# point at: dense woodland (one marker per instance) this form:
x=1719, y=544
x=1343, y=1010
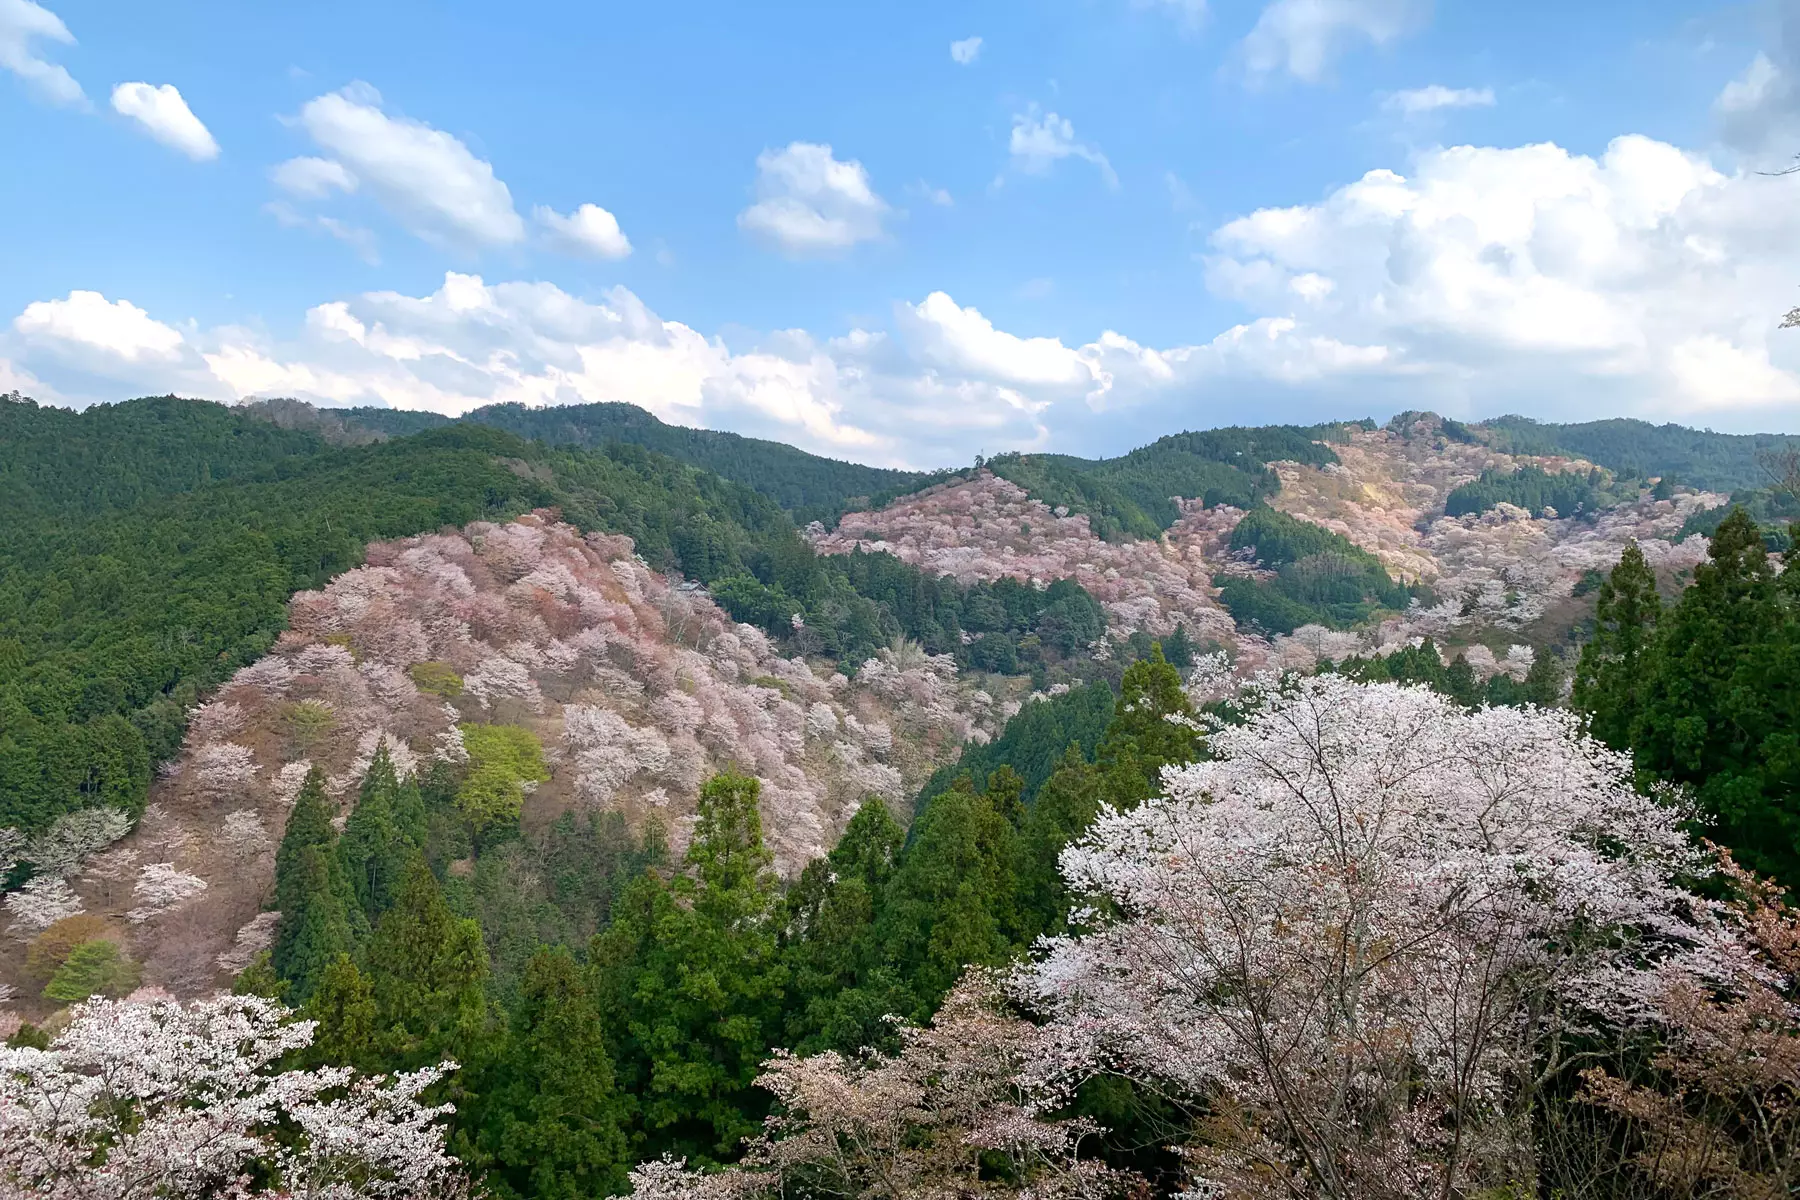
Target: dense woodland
x=1497, y=958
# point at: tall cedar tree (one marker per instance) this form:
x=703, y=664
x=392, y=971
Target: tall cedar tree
x=690, y=970
x=344, y=1006
x=953, y=899
x=320, y=918
x=1719, y=711
x=1610, y=678
x=427, y=975
x=839, y=982
x=385, y=830
x=1142, y=738
x=548, y=1120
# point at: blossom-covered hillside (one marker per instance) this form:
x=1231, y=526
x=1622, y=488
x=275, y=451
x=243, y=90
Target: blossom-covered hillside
x=636, y=685
x=1496, y=575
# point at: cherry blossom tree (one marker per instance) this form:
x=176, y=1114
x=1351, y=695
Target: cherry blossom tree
x=42, y=902
x=165, y=1100
x=915, y=1124
x=1363, y=935
x=75, y=837
x=160, y=886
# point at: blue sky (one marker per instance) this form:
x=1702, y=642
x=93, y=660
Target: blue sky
x=855, y=228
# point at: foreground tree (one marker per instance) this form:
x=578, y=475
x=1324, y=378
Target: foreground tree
x=1363, y=937
x=174, y=1101
x=1718, y=1113
x=962, y=1110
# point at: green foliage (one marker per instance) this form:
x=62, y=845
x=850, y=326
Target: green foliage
x=1065, y=482
x=1321, y=577
x=428, y=976
x=502, y=759
x=690, y=971
x=807, y=486
x=1714, y=461
x=384, y=832
x=1717, y=710
x=1216, y=466
x=549, y=1121
x=1133, y=495
x=344, y=1006
x=1152, y=728
x=1771, y=508
x=1530, y=488
x=96, y=968
x=320, y=916
x=436, y=679
x=1033, y=742
x=839, y=982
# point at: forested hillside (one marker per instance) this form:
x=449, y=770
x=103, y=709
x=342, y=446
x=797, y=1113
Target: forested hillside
x=807, y=486
x=628, y=838
x=1721, y=462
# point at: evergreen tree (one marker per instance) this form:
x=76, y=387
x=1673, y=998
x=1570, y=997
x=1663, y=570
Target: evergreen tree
x=1460, y=682
x=838, y=978
x=690, y=967
x=549, y=1120
x=953, y=898
x=1720, y=709
x=427, y=975
x=1610, y=677
x=377, y=845
x=313, y=931
x=95, y=968
x=344, y=1006
x=1543, y=682
x=1066, y=805
x=1142, y=740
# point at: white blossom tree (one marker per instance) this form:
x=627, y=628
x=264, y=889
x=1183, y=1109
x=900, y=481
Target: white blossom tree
x=75, y=837
x=161, y=886
x=42, y=902
x=176, y=1101
x=1360, y=936
x=916, y=1124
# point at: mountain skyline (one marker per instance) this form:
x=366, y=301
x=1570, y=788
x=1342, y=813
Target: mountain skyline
x=1071, y=227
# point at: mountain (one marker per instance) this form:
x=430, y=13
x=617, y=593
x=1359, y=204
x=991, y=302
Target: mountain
x=808, y=486
x=1719, y=462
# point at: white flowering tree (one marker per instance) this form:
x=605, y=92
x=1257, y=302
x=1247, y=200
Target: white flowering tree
x=1361, y=935
x=917, y=1124
x=169, y=1100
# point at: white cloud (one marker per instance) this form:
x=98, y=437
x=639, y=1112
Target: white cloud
x=1419, y=101
x=429, y=180
x=589, y=230
x=313, y=178
x=1643, y=280
x=966, y=51
x=355, y=236
x=967, y=342
x=1759, y=111
x=937, y=196
x=1040, y=140
x=85, y=321
x=1305, y=37
x=22, y=23
x=808, y=202
x=166, y=117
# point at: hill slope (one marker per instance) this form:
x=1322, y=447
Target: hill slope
x=806, y=485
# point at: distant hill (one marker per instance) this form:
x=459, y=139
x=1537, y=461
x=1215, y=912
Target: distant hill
x=1719, y=462
x=809, y=486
